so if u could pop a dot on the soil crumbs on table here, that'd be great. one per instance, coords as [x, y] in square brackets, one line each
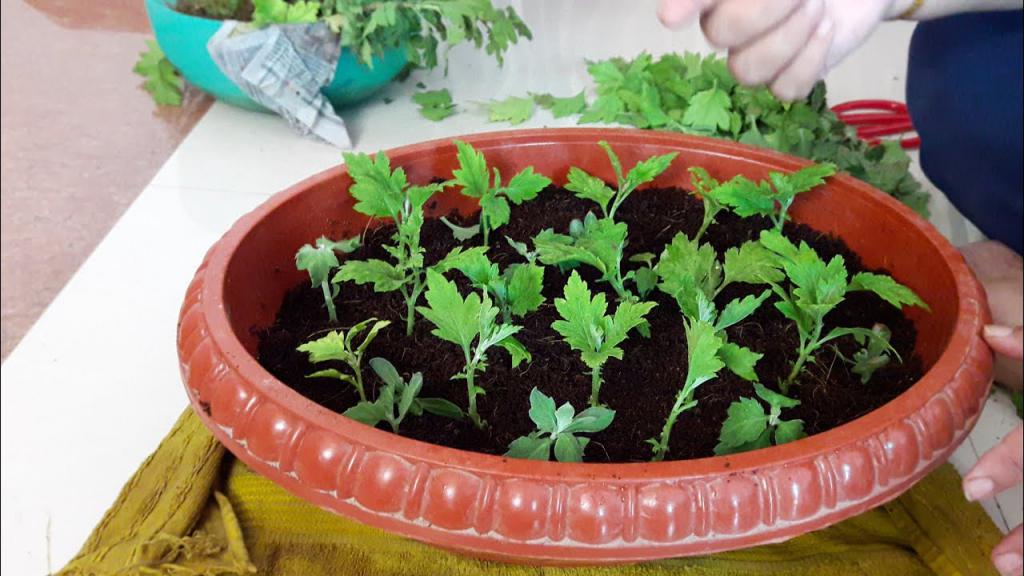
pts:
[642, 387]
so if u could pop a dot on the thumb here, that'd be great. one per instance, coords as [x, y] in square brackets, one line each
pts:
[677, 13]
[1005, 340]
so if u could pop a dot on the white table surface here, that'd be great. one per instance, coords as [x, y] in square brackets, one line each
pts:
[94, 385]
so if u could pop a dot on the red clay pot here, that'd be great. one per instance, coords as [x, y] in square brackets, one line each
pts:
[552, 513]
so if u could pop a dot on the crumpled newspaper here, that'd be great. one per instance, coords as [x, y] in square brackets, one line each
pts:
[283, 68]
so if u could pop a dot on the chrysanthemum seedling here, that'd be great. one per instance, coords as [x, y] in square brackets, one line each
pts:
[474, 178]
[341, 346]
[516, 290]
[383, 193]
[597, 242]
[319, 260]
[559, 429]
[589, 187]
[471, 323]
[773, 197]
[587, 328]
[876, 353]
[398, 398]
[749, 427]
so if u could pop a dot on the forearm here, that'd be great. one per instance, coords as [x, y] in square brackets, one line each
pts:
[931, 9]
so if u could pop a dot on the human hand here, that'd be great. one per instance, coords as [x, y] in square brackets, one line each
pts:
[997, 470]
[1001, 272]
[785, 44]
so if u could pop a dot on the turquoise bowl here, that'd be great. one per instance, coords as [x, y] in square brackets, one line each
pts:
[183, 39]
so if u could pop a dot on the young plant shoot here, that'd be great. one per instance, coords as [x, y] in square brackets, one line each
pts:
[587, 328]
[749, 427]
[706, 188]
[590, 187]
[597, 242]
[319, 260]
[472, 324]
[474, 177]
[398, 398]
[773, 197]
[645, 277]
[341, 346]
[383, 193]
[517, 290]
[816, 289]
[558, 428]
[874, 355]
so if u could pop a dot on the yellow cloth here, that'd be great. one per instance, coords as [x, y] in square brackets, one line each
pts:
[193, 510]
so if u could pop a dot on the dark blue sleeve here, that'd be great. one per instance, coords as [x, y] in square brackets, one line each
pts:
[964, 94]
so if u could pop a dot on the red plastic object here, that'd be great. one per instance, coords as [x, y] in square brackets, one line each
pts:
[883, 118]
[553, 513]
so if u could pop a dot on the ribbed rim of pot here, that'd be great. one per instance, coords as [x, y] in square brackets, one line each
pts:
[970, 318]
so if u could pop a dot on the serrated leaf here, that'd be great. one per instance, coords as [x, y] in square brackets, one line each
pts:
[746, 421]
[746, 197]
[162, 80]
[330, 346]
[369, 413]
[472, 174]
[887, 289]
[317, 260]
[530, 448]
[789, 431]
[561, 107]
[384, 276]
[702, 350]
[646, 280]
[751, 263]
[773, 398]
[687, 268]
[456, 319]
[496, 210]
[461, 233]
[740, 309]
[435, 105]
[708, 110]
[740, 360]
[516, 350]
[568, 448]
[514, 110]
[525, 185]
[378, 190]
[524, 287]
[588, 187]
[647, 170]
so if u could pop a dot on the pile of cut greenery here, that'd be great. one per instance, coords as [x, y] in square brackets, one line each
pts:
[688, 324]
[697, 94]
[367, 27]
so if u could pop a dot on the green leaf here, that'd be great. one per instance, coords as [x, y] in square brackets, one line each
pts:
[435, 105]
[516, 350]
[542, 411]
[384, 276]
[599, 244]
[788, 431]
[887, 289]
[703, 346]
[386, 371]
[330, 346]
[588, 187]
[647, 170]
[562, 107]
[331, 373]
[456, 319]
[267, 12]
[646, 280]
[773, 398]
[318, 260]
[514, 110]
[687, 269]
[472, 174]
[369, 413]
[740, 309]
[739, 360]
[526, 185]
[495, 210]
[443, 408]
[530, 448]
[378, 190]
[591, 420]
[806, 179]
[461, 233]
[568, 448]
[162, 80]
[480, 271]
[525, 284]
[751, 263]
[745, 422]
[746, 197]
[708, 111]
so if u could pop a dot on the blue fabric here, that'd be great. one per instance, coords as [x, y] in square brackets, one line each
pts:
[964, 94]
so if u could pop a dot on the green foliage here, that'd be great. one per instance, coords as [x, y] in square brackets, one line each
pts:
[816, 289]
[435, 105]
[471, 323]
[474, 177]
[163, 82]
[874, 355]
[558, 428]
[589, 187]
[597, 242]
[562, 107]
[749, 427]
[398, 398]
[341, 346]
[587, 328]
[645, 277]
[514, 110]
[383, 193]
[266, 12]
[771, 198]
[517, 290]
[319, 260]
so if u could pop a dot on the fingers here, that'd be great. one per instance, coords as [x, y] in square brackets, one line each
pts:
[734, 23]
[800, 76]
[678, 13]
[1005, 340]
[997, 469]
[762, 60]
[1008, 555]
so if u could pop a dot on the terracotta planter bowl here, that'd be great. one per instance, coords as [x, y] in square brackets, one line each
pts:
[547, 512]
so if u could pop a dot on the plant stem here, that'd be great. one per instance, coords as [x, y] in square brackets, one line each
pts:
[410, 306]
[666, 431]
[595, 385]
[474, 416]
[331, 312]
[703, 227]
[807, 346]
[359, 378]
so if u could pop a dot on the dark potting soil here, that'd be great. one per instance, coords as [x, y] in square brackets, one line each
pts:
[642, 387]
